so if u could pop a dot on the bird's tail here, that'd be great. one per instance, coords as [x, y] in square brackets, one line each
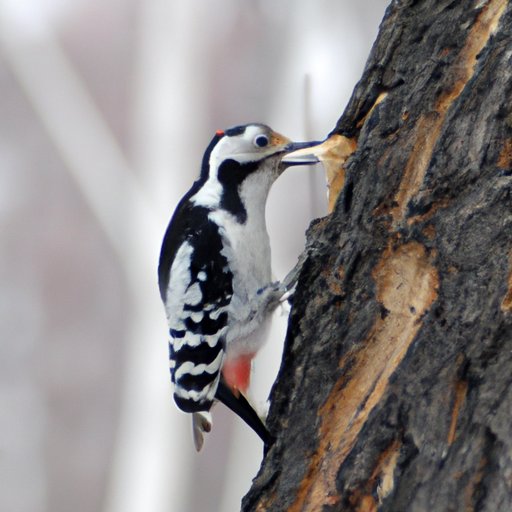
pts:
[240, 406]
[201, 424]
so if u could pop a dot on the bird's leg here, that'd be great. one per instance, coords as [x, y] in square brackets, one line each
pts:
[270, 296]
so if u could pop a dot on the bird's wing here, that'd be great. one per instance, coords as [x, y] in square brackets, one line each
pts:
[197, 293]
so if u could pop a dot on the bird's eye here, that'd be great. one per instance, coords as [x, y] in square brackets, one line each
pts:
[261, 141]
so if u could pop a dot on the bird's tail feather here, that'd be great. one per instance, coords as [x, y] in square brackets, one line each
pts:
[201, 423]
[240, 406]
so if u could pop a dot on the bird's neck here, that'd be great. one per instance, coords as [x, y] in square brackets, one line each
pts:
[245, 200]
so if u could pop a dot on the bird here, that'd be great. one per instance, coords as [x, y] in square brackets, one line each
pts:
[214, 273]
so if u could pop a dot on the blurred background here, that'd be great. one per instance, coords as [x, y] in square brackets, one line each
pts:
[106, 107]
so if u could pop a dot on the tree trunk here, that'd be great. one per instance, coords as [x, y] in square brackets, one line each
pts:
[395, 391]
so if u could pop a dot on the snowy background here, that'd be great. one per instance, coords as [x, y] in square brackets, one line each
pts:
[105, 109]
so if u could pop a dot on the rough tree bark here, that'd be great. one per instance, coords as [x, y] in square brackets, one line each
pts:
[395, 391]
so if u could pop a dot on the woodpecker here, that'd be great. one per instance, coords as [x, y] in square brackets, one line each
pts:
[214, 273]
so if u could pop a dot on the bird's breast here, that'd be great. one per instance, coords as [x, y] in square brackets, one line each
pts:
[247, 250]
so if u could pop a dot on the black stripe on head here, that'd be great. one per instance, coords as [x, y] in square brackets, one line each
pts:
[235, 130]
[231, 175]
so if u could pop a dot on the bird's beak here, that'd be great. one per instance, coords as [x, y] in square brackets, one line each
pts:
[300, 153]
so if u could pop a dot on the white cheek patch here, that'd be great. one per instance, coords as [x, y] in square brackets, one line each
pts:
[240, 148]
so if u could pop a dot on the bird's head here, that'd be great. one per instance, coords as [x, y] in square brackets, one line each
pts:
[242, 162]
[252, 144]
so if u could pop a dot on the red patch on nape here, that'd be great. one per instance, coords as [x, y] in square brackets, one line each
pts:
[237, 373]
[220, 133]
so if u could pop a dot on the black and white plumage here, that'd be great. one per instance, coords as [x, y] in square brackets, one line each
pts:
[214, 272]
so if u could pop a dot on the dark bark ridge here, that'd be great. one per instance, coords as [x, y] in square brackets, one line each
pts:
[395, 390]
